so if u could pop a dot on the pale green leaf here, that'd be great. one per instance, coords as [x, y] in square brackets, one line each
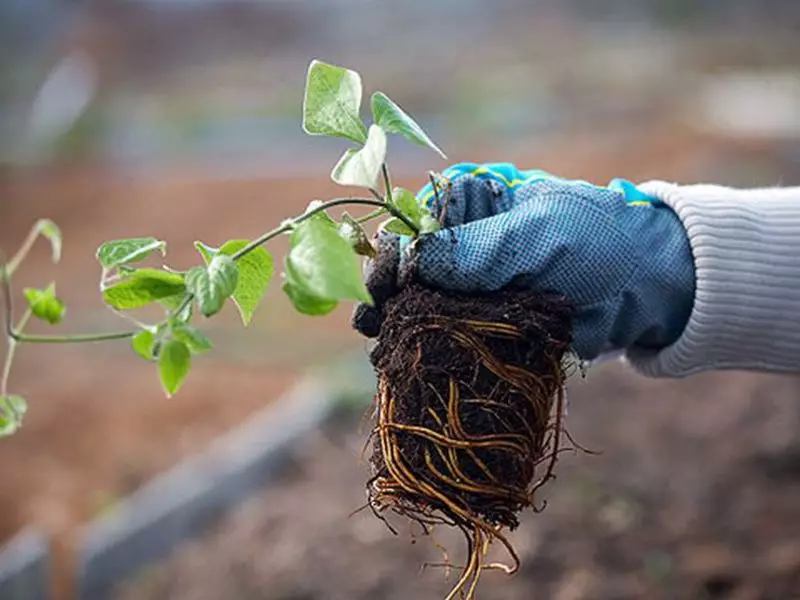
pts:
[302, 300]
[255, 272]
[44, 304]
[362, 167]
[124, 252]
[214, 284]
[174, 362]
[206, 251]
[142, 287]
[194, 339]
[393, 119]
[50, 231]
[427, 224]
[406, 203]
[332, 102]
[12, 410]
[143, 343]
[395, 225]
[323, 264]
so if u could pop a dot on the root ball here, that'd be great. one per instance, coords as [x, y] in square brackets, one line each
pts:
[468, 412]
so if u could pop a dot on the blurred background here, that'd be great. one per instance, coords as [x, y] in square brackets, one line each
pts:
[180, 119]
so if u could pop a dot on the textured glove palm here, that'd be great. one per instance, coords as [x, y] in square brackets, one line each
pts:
[621, 257]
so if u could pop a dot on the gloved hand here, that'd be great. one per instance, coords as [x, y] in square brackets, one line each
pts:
[621, 257]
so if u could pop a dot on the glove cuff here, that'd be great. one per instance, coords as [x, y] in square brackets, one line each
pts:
[746, 312]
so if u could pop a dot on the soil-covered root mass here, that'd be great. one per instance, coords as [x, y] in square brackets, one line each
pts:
[468, 412]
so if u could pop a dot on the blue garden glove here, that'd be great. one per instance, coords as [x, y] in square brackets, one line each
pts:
[621, 257]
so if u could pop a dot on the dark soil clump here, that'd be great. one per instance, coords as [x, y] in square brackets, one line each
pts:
[469, 404]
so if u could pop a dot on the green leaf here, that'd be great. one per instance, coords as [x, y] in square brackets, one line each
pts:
[406, 203]
[394, 119]
[214, 284]
[303, 301]
[12, 410]
[315, 204]
[144, 343]
[323, 264]
[352, 231]
[124, 252]
[44, 304]
[206, 251]
[362, 167]
[174, 362]
[255, 272]
[395, 225]
[194, 339]
[427, 224]
[49, 230]
[332, 102]
[142, 287]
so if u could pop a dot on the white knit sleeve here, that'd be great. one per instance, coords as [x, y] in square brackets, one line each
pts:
[746, 313]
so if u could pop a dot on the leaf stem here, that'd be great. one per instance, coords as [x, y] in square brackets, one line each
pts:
[371, 215]
[15, 335]
[20, 255]
[71, 339]
[387, 184]
[10, 352]
[287, 225]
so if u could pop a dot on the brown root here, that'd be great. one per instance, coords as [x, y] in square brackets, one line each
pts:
[469, 409]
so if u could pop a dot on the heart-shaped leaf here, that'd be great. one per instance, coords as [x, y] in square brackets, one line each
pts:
[304, 301]
[214, 284]
[332, 102]
[323, 264]
[174, 363]
[255, 272]
[194, 339]
[394, 119]
[124, 252]
[143, 343]
[395, 225]
[362, 167]
[44, 304]
[142, 287]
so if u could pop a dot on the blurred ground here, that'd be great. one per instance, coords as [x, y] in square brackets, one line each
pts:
[695, 496]
[182, 122]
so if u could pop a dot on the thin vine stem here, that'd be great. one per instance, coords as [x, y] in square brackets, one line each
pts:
[371, 215]
[16, 335]
[287, 225]
[387, 184]
[20, 255]
[71, 339]
[10, 352]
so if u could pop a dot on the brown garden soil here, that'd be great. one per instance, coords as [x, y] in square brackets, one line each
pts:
[696, 496]
[683, 481]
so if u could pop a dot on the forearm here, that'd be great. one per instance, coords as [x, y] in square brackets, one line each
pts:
[746, 313]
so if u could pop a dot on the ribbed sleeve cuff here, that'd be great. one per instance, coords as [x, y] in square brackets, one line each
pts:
[746, 313]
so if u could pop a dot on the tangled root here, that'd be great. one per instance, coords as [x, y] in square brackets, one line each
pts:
[469, 407]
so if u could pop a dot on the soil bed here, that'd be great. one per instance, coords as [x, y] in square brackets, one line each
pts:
[696, 495]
